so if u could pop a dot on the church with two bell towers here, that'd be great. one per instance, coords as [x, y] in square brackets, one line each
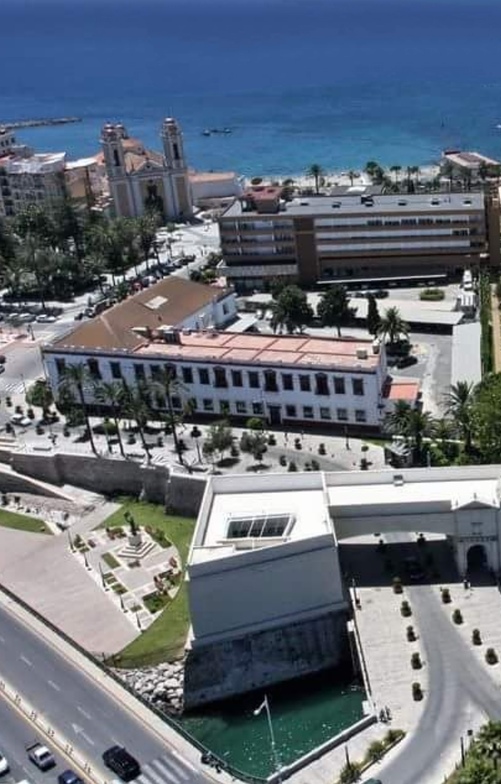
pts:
[141, 179]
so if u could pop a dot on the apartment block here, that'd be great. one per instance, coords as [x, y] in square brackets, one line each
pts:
[358, 233]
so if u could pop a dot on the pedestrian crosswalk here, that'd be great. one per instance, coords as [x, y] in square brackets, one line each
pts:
[12, 387]
[168, 769]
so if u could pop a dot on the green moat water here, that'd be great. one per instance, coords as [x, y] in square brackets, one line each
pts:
[305, 714]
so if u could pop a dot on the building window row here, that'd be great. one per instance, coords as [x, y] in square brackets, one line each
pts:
[257, 408]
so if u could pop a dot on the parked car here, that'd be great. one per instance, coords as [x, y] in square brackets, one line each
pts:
[40, 756]
[46, 318]
[3, 359]
[118, 759]
[4, 765]
[20, 419]
[69, 777]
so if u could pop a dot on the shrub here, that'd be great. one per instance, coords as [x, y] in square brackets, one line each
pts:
[392, 736]
[416, 662]
[321, 449]
[431, 295]
[446, 596]
[417, 692]
[272, 441]
[282, 460]
[351, 772]
[307, 466]
[397, 585]
[405, 609]
[292, 466]
[411, 634]
[375, 752]
[298, 444]
[315, 465]
[475, 637]
[457, 616]
[30, 413]
[491, 656]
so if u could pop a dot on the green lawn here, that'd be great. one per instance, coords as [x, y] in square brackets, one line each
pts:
[23, 523]
[110, 560]
[164, 639]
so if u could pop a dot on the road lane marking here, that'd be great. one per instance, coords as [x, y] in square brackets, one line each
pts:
[183, 761]
[25, 660]
[162, 762]
[149, 775]
[54, 686]
[84, 713]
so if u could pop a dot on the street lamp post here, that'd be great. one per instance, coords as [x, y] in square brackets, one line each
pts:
[138, 619]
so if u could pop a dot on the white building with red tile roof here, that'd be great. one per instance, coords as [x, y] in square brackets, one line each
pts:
[292, 380]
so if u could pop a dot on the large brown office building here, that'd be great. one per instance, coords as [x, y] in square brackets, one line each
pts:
[356, 235]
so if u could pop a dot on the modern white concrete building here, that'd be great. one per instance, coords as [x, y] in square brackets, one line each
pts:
[215, 189]
[264, 557]
[287, 380]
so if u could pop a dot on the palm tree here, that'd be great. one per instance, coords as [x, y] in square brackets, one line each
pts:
[170, 386]
[459, 406]
[393, 326]
[146, 228]
[397, 420]
[351, 176]
[111, 394]
[77, 377]
[136, 407]
[315, 171]
[396, 171]
[419, 425]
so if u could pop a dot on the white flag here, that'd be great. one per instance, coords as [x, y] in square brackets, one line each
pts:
[261, 707]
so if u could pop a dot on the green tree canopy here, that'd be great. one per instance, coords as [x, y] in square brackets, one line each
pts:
[373, 317]
[218, 439]
[333, 309]
[486, 420]
[315, 171]
[291, 310]
[392, 326]
[40, 394]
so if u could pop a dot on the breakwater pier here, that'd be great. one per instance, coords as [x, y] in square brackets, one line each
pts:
[39, 123]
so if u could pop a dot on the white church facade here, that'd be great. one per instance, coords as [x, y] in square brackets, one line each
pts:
[141, 179]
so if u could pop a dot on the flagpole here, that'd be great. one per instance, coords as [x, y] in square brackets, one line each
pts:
[276, 758]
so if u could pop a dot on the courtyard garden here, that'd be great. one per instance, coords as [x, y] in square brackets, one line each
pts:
[164, 639]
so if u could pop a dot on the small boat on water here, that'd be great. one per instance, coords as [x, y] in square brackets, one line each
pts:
[210, 131]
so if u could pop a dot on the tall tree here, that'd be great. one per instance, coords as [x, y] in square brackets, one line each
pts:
[168, 385]
[333, 309]
[219, 438]
[76, 378]
[315, 171]
[136, 407]
[486, 422]
[373, 317]
[396, 169]
[392, 326]
[352, 175]
[459, 406]
[291, 309]
[112, 395]
[146, 228]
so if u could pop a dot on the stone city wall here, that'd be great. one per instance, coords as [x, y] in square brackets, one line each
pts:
[180, 493]
[225, 669]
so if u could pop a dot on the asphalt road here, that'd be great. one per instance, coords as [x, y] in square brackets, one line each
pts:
[15, 734]
[456, 681]
[78, 707]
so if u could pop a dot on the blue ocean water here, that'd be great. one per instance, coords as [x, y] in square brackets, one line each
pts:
[336, 82]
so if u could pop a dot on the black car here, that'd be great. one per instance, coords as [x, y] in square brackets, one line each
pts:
[69, 777]
[122, 763]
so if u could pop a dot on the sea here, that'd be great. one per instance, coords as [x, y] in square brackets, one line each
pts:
[333, 82]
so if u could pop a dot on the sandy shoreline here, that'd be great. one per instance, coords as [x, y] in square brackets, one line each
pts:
[333, 178]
